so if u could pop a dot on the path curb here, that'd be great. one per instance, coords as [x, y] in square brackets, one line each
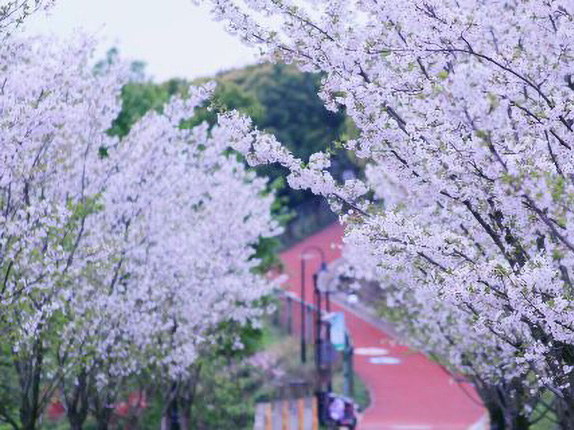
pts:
[482, 424]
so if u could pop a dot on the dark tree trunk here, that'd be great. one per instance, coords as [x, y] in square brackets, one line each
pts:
[565, 413]
[496, 414]
[103, 411]
[518, 422]
[77, 404]
[505, 404]
[30, 376]
[187, 397]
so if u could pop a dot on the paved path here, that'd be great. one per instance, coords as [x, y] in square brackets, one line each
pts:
[411, 394]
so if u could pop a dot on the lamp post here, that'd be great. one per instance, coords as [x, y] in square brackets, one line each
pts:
[304, 256]
[317, 330]
[321, 394]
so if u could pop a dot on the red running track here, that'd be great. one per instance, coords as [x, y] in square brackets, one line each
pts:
[415, 394]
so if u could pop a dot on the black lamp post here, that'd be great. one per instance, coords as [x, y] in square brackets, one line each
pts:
[319, 359]
[304, 254]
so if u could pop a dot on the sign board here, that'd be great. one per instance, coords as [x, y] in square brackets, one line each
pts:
[328, 354]
[337, 320]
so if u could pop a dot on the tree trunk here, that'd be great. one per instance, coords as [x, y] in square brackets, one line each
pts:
[171, 418]
[565, 414]
[103, 412]
[188, 396]
[518, 422]
[75, 424]
[30, 375]
[505, 405]
[497, 421]
[78, 404]
[185, 419]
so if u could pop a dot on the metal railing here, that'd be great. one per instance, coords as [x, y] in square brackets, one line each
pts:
[316, 335]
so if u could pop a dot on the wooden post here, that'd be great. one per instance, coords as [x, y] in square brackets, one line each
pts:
[285, 415]
[315, 414]
[277, 415]
[260, 410]
[268, 417]
[301, 413]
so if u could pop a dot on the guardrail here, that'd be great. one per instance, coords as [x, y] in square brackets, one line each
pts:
[291, 315]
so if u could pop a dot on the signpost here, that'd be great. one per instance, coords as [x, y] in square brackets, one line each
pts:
[331, 337]
[337, 320]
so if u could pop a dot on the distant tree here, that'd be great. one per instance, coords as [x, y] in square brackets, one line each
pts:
[138, 98]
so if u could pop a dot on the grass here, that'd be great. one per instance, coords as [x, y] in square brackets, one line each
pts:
[360, 395]
[548, 421]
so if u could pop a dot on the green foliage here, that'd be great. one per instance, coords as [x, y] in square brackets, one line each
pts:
[266, 253]
[227, 96]
[544, 418]
[138, 98]
[294, 113]
[225, 396]
[230, 331]
[9, 406]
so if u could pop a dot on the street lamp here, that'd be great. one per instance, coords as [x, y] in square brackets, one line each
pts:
[304, 256]
[319, 359]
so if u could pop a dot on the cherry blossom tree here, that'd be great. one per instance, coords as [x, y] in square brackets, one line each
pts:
[443, 331]
[14, 12]
[117, 257]
[53, 113]
[190, 216]
[464, 116]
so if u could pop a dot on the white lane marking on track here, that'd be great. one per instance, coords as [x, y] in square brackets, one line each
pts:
[371, 351]
[384, 360]
[411, 427]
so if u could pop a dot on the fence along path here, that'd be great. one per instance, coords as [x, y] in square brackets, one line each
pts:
[287, 414]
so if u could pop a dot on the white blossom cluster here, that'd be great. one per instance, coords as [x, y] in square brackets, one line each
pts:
[116, 255]
[464, 112]
[14, 12]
